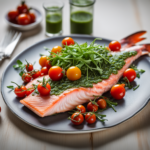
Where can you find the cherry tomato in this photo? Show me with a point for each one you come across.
(36, 74)
(29, 91)
(118, 91)
(90, 118)
(42, 61)
(23, 19)
(73, 73)
(29, 67)
(44, 91)
(102, 103)
(56, 49)
(32, 16)
(12, 15)
(67, 41)
(48, 64)
(114, 46)
(55, 73)
(92, 107)
(77, 118)
(23, 8)
(130, 74)
(44, 71)
(26, 77)
(20, 91)
(81, 108)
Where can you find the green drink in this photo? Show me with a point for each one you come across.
(53, 23)
(81, 22)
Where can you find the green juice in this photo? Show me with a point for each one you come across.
(53, 23)
(81, 22)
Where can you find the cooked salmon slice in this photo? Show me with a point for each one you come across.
(69, 99)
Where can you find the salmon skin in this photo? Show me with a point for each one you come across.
(69, 99)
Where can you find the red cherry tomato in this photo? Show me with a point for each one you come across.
(77, 118)
(36, 74)
(29, 67)
(23, 8)
(118, 91)
(29, 91)
(67, 41)
(20, 91)
(102, 103)
(55, 73)
(12, 15)
(23, 19)
(92, 107)
(81, 108)
(44, 91)
(48, 64)
(130, 74)
(114, 46)
(32, 16)
(26, 77)
(90, 118)
(44, 71)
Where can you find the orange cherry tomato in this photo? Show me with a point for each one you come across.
(23, 19)
(118, 91)
(12, 15)
(42, 61)
(102, 103)
(77, 118)
(56, 49)
(55, 73)
(90, 118)
(44, 90)
(92, 107)
(130, 74)
(114, 46)
(81, 108)
(68, 41)
(73, 73)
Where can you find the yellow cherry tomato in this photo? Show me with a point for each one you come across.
(56, 49)
(73, 73)
(42, 61)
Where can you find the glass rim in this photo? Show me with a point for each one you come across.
(79, 5)
(53, 10)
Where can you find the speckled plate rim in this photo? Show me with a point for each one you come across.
(60, 131)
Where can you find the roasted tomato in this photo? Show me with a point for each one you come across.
(77, 118)
(114, 46)
(130, 74)
(90, 118)
(102, 103)
(67, 41)
(81, 108)
(55, 73)
(73, 73)
(118, 91)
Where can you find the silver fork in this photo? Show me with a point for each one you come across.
(8, 43)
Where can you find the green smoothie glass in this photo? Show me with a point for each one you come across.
(53, 13)
(81, 16)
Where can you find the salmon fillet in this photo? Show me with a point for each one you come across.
(69, 99)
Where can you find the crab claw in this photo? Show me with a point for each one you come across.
(132, 39)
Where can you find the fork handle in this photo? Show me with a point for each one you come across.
(1, 56)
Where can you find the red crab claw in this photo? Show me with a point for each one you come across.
(132, 39)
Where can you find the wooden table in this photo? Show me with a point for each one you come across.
(112, 19)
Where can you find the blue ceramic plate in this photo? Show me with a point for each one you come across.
(132, 103)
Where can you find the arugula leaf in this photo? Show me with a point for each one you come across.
(11, 87)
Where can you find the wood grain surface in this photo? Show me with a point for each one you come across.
(113, 20)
